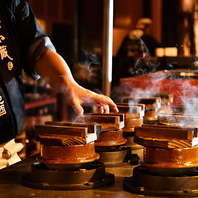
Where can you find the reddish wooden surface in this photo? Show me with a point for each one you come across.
(183, 89)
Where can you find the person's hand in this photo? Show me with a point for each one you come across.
(77, 95)
(53, 68)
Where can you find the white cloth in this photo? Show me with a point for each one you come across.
(8, 153)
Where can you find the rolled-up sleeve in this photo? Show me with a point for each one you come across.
(36, 50)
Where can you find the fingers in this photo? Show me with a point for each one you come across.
(108, 103)
(78, 109)
(114, 108)
(103, 103)
(103, 109)
(75, 103)
(106, 108)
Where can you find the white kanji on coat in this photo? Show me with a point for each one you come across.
(2, 107)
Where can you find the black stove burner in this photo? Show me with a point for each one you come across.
(110, 155)
(145, 183)
(42, 177)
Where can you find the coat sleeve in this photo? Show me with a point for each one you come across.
(32, 40)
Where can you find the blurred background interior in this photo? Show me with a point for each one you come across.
(77, 29)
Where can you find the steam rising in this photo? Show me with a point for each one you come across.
(143, 65)
(88, 70)
(182, 85)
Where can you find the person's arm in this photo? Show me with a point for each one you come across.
(52, 67)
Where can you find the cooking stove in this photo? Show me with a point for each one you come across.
(133, 117)
(166, 100)
(68, 160)
(77, 155)
(110, 144)
(146, 183)
(169, 164)
(152, 107)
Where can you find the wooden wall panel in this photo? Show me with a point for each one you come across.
(126, 14)
(58, 11)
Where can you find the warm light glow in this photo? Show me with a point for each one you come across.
(187, 5)
(43, 25)
(196, 29)
(170, 51)
(167, 51)
(122, 21)
(187, 74)
(159, 52)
